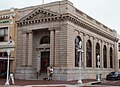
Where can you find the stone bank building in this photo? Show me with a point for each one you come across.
(49, 34)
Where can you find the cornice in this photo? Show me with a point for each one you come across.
(71, 18)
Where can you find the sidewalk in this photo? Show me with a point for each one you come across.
(45, 83)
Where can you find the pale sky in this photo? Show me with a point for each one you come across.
(104, 11)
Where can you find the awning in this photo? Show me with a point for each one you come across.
(5, 58)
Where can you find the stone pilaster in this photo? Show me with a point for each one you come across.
(57, 60)
(30, 46)
(101, 60)
(101, 53)
(24, 50)
(84, 50)
(94, 53)
(52, 46)
(108, 56)
(115, 57)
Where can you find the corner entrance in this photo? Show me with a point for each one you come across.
(45, 61)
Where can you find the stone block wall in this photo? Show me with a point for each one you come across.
(25, 73)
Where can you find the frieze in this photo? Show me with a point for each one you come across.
(68, 17)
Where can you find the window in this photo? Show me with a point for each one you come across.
(77, 40)
(111, 58)
(119, 47)
(3, 54)
(97, 52)
(89, 54)
(45, 40)
(3, 34)
(119, 63)
(105, 56)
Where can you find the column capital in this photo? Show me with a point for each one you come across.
(54, 28)
(29, 31)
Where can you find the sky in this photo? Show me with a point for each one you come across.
(105, 11)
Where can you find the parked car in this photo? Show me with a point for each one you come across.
(113, 76)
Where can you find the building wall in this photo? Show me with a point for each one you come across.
(118, 47)
(62, 29)
(7, 19)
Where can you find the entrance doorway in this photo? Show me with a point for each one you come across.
(3, 68)
(45, 61)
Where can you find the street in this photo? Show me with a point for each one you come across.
(86, 83)
(106, 83)
(111, 83)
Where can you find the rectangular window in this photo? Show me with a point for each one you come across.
(3, 34)
(3, 54)
(119, 47)
(119, 63)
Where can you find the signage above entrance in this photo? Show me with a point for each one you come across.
(4, 21)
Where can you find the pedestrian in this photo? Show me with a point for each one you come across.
(12, 78)
(49, 72)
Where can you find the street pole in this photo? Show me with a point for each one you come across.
(7, 80)
(80, 52)
(8, 50)
(98, 63)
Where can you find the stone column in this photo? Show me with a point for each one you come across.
(30, 47)
(108, 56)
(24, 49)
(101, 53)
(84, 50)
(94, 53)
(52, 46)
(101, 60)
(115, 57)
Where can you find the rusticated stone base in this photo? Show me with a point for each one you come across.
(62, 73)
(73, 73)
(25, 73)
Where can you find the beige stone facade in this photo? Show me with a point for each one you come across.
(60, 22)
(118, 49)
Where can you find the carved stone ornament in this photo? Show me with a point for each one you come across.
(37, 14)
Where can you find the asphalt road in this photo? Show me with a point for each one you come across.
(106, 83)
(111, 83)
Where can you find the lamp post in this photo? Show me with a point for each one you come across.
(10, 47)
(80, 60)
(98, 63)
(7, 80)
